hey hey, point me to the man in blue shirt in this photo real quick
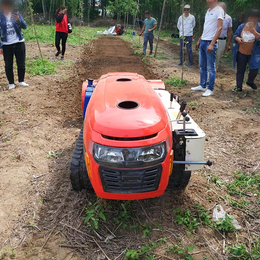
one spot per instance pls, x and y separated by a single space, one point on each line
150 24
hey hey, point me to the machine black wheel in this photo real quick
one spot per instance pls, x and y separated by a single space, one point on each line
179 181
78 171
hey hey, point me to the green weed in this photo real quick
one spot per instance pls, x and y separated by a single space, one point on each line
176 82
145 252
225 225
51 154
184 252
194 104
94 214
36 67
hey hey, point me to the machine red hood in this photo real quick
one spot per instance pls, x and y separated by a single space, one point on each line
107 118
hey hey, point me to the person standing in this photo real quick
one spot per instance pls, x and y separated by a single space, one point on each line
62 30
207 46
12 42
226 36
247 50
186 24
150 24
241 20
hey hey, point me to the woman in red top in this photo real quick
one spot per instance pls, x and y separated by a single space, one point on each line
61 30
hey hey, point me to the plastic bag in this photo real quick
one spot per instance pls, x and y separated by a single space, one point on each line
219 214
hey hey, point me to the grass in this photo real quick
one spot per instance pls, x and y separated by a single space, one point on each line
176 82
46 34
36 67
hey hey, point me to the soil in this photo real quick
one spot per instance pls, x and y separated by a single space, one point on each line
42 218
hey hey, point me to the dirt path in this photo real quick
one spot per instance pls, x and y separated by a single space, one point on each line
42 218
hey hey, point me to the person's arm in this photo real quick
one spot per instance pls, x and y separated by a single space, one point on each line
198 44
220 26
194 22
154 27
256 34
179 24
19 19
237 35
59 17
230 37
142 30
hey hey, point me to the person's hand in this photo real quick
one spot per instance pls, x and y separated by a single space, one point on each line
252 30
228 47
149 30
16 16
197 47
239 40
1 51
210 48
140 34
69 35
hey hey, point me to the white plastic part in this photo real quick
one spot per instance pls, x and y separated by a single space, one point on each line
194 144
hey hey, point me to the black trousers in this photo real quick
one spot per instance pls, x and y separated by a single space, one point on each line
242 61
63 37
17 50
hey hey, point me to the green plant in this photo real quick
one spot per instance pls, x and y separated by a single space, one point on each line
225 225
20 108
194 104
183 252
187 219
94 214
36 67
176 82
2 122
145 252
51 154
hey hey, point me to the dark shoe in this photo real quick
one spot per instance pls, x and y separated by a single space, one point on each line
62 57
237 89
57 54
252 85
180 64
150 53
142 54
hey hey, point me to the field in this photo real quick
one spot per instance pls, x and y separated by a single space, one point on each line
42 218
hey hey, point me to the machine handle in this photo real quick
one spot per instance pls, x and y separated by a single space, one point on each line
172 96
208 163
183 106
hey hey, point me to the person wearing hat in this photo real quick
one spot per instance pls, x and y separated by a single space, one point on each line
185 25
150 24
207 46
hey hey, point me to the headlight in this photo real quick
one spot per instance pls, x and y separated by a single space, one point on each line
129 157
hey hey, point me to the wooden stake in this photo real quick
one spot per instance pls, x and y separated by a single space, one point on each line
160 27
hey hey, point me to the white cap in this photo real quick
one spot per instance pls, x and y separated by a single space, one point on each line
187 7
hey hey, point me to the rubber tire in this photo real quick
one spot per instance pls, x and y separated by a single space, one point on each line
78 171
179 181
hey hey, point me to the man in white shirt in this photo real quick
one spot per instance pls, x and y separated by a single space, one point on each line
207 46
225 38
185 25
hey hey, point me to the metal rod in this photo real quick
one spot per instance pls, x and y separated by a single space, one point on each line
209 163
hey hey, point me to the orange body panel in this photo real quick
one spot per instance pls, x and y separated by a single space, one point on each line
104 118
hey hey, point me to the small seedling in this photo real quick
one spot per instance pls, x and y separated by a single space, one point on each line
51 154
20 108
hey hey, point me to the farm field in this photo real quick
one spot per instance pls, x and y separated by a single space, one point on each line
42 218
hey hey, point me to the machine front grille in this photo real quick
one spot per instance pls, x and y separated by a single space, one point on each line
130 181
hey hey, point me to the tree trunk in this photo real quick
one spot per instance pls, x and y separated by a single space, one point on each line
43 9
